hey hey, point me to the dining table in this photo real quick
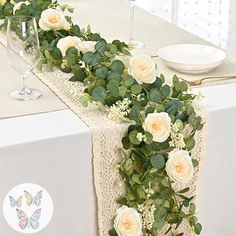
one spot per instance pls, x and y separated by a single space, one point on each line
45 143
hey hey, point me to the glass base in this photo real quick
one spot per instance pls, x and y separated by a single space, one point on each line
136 45
27 94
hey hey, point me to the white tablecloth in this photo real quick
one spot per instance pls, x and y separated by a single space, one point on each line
54 151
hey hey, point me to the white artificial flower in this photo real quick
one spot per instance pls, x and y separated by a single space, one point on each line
148 214
18 6
128 222
86 46
119 110
179 166
143 69
2 2
68 42
177 138
52 19
159 125
140 137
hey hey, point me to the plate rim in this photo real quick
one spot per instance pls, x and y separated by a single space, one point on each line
192 64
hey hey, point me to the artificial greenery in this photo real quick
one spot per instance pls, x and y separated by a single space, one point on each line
107 81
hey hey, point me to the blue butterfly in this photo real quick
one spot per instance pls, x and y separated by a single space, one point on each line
17 202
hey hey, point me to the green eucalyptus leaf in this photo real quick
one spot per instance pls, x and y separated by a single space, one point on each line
133 137
190 143
72 51
159 224
76 30
134 114
184 190
180 124
125 52
159 108
160 213
113 75
113 86
65 69
136 89
166 90
109 55
165 183
73 79
193 220
84 99
136 178
155 95
101 46
158 161
148 138
141 193
117 66
88 57
175 80
112 232
181 86
102 72
192 208
99 94
56 53
198 228
122 91
195 162
129 80
79 73
113 48
95 37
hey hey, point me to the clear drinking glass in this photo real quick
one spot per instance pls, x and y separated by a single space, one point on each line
23 52
132 43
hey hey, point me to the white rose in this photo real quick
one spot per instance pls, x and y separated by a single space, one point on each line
52 19
68 42
159 125
179 166
128 222
143 69
18 6
86 46
2 2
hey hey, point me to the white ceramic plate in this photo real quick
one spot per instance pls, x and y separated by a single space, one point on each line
191 58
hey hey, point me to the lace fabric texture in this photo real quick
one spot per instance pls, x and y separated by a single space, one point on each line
106 141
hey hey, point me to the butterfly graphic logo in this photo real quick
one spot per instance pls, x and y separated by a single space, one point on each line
17 202
31 222
30 200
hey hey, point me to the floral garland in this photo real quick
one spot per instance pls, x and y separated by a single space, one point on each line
159 141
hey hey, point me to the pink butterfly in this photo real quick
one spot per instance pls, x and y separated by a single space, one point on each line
32 221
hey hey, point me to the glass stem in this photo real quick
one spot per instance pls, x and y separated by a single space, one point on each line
24 89
131 26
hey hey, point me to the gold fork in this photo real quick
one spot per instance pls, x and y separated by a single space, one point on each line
199 82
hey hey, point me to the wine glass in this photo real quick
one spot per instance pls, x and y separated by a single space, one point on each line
23 52
132 43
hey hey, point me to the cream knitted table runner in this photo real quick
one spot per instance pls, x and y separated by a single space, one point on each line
106 141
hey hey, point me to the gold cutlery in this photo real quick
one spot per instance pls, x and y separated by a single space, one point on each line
199 82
